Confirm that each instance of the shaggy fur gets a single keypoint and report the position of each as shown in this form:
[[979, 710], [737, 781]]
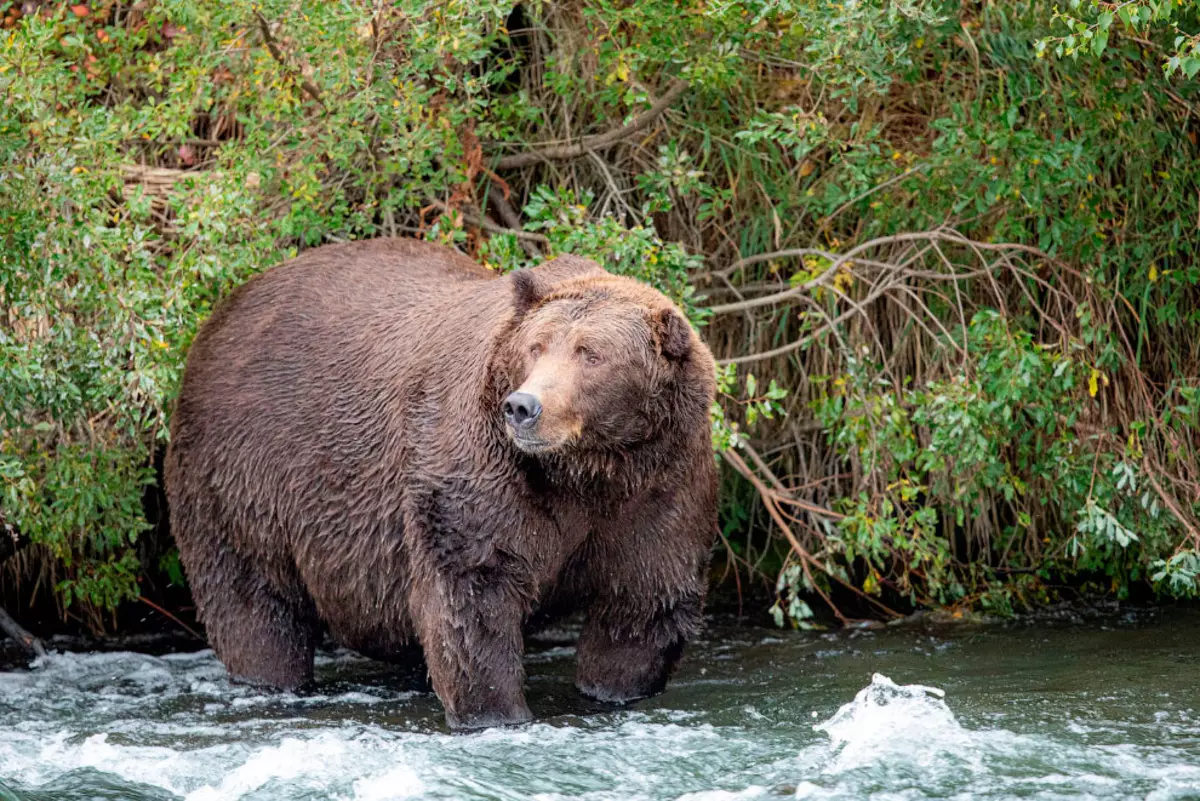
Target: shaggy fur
[[339, 458]]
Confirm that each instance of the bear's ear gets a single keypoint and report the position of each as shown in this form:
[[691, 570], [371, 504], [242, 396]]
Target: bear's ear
[[674, 334], [526, 291]]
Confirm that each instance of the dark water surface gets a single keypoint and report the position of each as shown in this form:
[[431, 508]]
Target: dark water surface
[[1107, 708]]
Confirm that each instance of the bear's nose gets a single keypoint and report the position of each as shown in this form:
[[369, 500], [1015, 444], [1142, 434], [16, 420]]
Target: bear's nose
[[521, 410]]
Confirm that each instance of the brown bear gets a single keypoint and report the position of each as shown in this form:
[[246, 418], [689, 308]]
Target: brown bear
[[388, 440]]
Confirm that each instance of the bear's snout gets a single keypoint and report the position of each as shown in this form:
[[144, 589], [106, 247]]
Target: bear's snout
[[521, 411]]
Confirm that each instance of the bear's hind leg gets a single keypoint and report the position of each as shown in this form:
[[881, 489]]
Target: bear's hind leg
[[263, 637], [272, 645]]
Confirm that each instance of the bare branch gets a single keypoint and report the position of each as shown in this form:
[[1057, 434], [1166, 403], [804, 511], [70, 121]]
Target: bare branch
[[596, 142], [944, 235], [510, 217], [783, 350]]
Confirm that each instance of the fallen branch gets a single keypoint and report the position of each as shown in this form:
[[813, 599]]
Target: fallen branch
[[159, 181], [766, 496], [882, 276], [836, 261], [598, 141], [770, 501], [26, 640]]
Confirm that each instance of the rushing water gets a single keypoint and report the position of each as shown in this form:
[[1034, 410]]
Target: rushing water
[[1103, 709]]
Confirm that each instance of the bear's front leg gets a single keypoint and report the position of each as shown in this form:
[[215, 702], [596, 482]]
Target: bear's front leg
[[469, 625], [645, 578], [626, 652]]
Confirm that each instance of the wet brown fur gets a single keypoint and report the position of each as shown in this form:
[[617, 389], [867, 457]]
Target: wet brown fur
[[338, 458]]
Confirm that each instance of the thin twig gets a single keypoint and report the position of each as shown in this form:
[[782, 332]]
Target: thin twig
[[878, 187], [172, 617]]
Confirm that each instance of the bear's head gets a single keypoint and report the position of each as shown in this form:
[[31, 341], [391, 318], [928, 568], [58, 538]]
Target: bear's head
[[599, 363]]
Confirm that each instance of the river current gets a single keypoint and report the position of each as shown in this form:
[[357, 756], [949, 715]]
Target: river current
[[1102, 708]]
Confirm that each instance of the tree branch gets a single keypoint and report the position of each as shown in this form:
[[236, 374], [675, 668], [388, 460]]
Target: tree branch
[[946, 235], [487, 225], [510, 217], [783, 350], [598, 141], [26, 640], [273, 47]]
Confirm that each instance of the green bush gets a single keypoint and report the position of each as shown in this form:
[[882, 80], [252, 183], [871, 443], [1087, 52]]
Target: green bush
[[944, 420]]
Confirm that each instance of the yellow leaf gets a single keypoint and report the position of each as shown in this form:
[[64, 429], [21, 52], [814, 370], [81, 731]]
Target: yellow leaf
[[1153, 273], [1094, 382], [844, 280], [870, 585]]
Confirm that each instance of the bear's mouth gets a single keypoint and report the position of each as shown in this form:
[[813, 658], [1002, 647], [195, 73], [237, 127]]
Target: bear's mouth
[[528, 444]]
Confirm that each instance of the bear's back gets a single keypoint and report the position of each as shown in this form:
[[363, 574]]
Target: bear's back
[[379, 274], [307, 391]]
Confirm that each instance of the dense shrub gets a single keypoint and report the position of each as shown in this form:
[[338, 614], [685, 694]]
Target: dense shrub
[[966, 262]]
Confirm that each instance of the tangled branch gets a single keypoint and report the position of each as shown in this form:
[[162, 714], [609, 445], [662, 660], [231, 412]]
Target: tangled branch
[[590, 144], [894, 272]]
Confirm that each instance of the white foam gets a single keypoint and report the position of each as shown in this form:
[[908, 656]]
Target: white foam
[[724, 795], [888, 721], [293, 760], [399, 782], [177, 724], [903, 741]]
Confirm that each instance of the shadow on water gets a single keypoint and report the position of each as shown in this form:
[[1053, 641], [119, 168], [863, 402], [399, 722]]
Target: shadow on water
[[1101, 708]]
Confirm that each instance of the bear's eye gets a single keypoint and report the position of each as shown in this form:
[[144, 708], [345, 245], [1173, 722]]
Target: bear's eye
[[535, 350], [588, 355]]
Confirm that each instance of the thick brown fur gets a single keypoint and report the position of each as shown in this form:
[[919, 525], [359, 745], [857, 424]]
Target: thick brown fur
[[338, 458]]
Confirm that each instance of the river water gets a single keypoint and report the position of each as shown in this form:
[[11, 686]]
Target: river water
[[1102, 708]]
